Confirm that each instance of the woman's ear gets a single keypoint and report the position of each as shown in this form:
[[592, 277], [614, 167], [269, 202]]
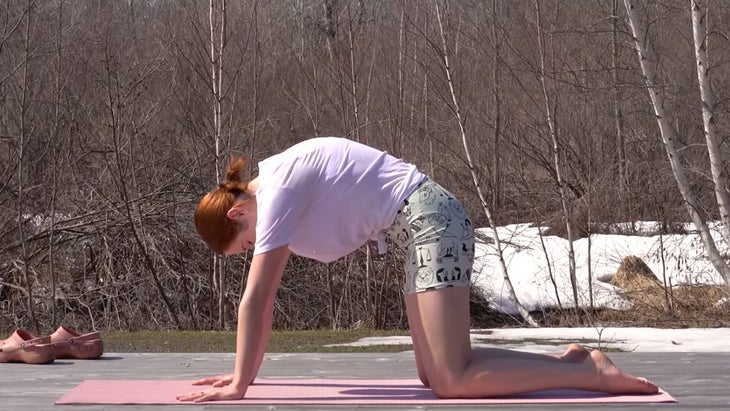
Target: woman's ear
[[236, 213]]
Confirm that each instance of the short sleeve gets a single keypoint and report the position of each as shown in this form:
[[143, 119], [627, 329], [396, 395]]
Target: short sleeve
[[278, 212]]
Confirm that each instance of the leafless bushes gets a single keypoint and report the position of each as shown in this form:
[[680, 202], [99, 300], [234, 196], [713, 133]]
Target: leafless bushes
[[112, 122]]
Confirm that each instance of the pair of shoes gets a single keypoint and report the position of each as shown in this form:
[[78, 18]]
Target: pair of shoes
[[70, 344], [22, 346]]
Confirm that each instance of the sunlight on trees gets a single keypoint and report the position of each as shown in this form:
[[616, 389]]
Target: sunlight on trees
[[116, 116]]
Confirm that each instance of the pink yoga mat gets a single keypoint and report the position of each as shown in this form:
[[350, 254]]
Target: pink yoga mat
[[321, 391]]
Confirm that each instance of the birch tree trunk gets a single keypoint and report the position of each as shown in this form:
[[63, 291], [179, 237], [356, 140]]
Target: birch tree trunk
[[255, 121], [217, 23], [369, 307], [497, 112], [256, 81], [457, 113], [54, 163], [550, 118], [400, 108], [24, 136], [617, 109], [669, 137], [717, 163], [330, 26]]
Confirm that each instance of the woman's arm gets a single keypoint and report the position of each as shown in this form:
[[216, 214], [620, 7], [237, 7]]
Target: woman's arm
[[255, 315]]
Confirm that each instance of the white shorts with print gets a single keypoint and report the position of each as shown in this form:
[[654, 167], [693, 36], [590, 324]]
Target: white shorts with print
[[435, 232]]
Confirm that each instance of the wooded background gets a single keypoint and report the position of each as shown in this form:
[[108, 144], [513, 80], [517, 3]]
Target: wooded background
[[117, 116]]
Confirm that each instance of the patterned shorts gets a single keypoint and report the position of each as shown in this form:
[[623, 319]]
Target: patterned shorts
[[436, 234]]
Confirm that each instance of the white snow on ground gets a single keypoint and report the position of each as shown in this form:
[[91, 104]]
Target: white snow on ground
[[554, 340], [530, 265]]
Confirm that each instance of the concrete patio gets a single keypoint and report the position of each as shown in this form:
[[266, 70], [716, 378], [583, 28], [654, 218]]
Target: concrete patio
[[699, 381]]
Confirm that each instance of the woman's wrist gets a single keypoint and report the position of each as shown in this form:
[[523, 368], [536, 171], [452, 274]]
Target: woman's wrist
[[241, 383]]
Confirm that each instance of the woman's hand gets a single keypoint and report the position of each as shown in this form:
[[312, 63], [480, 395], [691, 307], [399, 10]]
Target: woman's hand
[[216, 381], [255, 316], [229, 392]]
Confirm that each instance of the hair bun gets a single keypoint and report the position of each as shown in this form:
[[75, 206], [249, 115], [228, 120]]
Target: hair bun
[[233, 171]]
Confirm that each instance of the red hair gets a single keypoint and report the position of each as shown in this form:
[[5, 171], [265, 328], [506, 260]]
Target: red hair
[[211, 219]]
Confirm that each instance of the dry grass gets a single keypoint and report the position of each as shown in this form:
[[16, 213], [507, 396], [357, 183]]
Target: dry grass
[[225, 341], [652, 301], [641, 287]]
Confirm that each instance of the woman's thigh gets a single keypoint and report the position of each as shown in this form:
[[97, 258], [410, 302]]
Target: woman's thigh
[[435, 232], [439, 321]]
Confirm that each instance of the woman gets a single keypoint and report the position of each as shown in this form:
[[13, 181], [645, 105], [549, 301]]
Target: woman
[[324, 198]]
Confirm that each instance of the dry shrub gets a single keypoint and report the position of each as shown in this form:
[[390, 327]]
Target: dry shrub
[[700, 299], [640, 286], [679, 306]]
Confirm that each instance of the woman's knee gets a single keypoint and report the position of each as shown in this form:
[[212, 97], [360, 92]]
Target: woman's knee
[[424, 379], [448, 386]]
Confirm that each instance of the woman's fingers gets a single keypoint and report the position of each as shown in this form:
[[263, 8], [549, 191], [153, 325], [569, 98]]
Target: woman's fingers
[[208, 397], [193, 396], [216, 381], [228, 393], [200, 396], [206, 381], [222, 382]]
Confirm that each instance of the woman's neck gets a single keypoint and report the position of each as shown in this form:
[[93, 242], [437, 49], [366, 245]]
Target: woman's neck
[[252, 186]]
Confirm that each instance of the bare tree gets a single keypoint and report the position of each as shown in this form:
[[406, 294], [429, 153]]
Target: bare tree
[[54, 162], [462, 129], [111, 130], [718, 162], [497, 110], [217, 24], [617, 107], [217, 40], [25, 131], [117, 103], [329, 26], [351, 37], [556, 149], [671, 141]]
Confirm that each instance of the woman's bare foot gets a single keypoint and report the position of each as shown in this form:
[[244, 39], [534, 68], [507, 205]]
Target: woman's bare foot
[[614, 380], [574, 353]]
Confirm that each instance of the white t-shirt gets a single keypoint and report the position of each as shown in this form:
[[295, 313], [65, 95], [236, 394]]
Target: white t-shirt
[[326, 197]]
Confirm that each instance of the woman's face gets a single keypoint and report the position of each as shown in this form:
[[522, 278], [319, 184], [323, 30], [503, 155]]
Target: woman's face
[[244, 216]]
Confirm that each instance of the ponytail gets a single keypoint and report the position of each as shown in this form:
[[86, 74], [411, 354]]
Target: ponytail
[[233, 181]]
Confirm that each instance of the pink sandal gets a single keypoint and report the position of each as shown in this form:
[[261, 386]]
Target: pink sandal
[[23, 347], [70, 344]]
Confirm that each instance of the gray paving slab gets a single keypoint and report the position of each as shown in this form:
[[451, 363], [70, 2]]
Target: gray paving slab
[[700, 381]]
